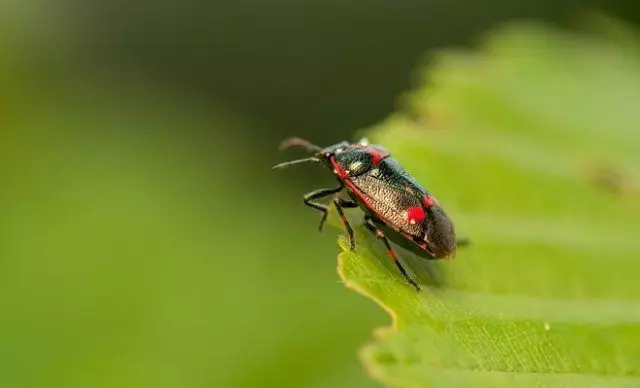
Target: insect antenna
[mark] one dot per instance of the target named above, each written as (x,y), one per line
(298,142)
(299,161)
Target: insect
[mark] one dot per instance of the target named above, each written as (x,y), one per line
(396,207)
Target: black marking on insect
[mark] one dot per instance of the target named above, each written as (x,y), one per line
(396,206)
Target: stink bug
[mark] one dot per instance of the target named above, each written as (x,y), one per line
(395,205)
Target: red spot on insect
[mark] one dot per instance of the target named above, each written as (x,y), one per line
(429,201)
(376,155)
(415,214)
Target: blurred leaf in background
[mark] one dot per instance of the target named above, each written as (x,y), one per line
(145,243)
(132,255)
(532,145)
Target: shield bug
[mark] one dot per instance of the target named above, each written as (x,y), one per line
(396,207)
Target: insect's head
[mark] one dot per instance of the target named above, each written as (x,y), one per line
(320,154)
(344,159)
(326,154)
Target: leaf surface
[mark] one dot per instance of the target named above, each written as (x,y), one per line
(532,145)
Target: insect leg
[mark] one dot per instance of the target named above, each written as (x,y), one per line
(391,252)
(310,197)
(342,203)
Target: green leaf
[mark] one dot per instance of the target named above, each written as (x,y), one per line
(532,145)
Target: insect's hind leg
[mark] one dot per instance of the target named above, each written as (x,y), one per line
(317,194)
(379,234)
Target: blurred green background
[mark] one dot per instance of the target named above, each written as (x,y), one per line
(145,240)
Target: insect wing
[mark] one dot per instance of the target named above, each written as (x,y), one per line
(390,192)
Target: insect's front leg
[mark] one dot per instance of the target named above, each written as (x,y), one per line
(343,203)
(317,194)
(374,229)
